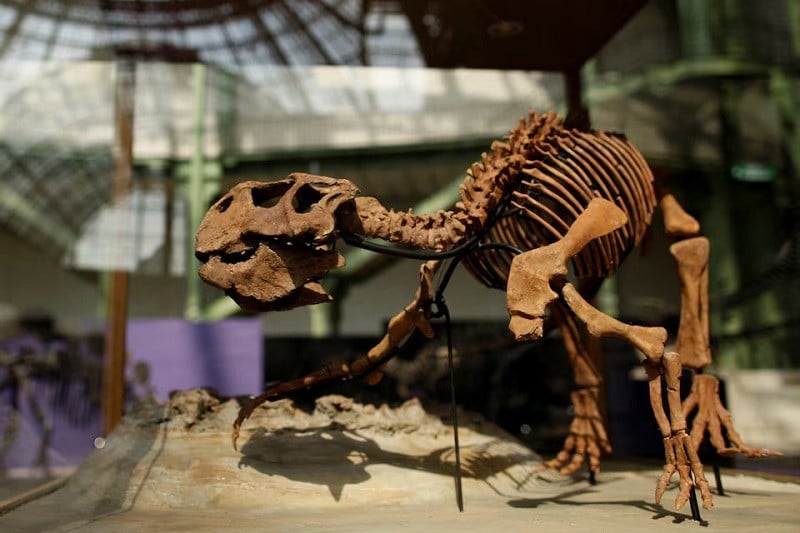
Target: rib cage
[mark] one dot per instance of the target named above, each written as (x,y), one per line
(563,171)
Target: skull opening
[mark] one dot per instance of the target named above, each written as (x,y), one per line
(267,244)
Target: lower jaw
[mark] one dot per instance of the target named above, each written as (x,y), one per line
(309,294)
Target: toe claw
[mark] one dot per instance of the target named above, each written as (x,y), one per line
(663,481)
(681,457)
(685,489)
(587,439)
(759,452)
(681,500)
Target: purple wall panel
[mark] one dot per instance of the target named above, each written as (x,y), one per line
(179,355)
(227,355)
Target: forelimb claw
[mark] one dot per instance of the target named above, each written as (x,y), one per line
(415,316)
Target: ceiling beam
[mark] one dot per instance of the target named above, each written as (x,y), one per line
(301,27)
(13,28)
(268,39)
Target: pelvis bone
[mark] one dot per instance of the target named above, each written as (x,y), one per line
(266,244)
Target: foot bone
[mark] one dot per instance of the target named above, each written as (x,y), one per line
(711,417)
(681,457)
(587,436)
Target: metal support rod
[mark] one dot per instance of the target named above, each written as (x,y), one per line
(693,504)
(115,341)
(453,405)
(718,480)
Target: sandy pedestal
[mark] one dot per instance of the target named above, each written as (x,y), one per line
(353,467)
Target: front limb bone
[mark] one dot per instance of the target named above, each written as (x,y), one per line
(691,261)
(414,316)
(528,290)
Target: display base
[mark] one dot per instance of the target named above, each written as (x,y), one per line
(351,467)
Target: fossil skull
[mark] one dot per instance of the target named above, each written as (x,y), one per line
(266,244)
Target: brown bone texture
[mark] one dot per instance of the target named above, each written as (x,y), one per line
(712,418)
(278,277)
(564,170)
(677,222)
(266,244)
(691,261)
(552,174)
(301,207)
(528,291)
(572,199)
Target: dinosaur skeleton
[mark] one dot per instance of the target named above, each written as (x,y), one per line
(543,198)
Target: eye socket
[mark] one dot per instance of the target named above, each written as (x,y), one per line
(270,195)
(306,198)
(224,204)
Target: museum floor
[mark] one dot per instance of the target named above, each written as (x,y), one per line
(621,501)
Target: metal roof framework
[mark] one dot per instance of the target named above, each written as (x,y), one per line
(325,76)
(269,88)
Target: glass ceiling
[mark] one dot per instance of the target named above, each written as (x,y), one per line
(232,33)
(283,76)
(56,100)
(56,134)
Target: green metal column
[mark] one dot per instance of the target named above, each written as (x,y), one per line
(793,9)
(195,195)
(784,93)
(724,275)
(695,39)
